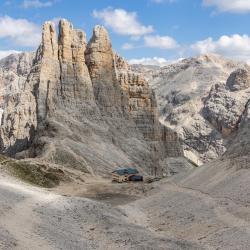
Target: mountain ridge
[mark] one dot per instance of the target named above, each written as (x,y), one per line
(195,101)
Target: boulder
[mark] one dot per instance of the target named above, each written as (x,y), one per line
(239,80)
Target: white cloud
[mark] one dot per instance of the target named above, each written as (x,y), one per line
(204,46)
(20,31)
(156,61)
(122,22)
(36,4)
(233,6)
(127,46)
(234,46)
(4,53)
(162,42)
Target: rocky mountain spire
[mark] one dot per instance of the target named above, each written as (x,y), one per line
(49,41)
(83,107)
(64,76)
(101,65)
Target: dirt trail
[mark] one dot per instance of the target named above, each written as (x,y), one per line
(20,220)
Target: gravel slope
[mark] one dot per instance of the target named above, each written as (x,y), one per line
(207,208)
(38,219)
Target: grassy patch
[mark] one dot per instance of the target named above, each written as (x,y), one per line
(33,173)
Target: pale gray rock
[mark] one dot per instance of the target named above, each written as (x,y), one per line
(239,80)
(239,148)
(18,117)
(223,109)
(195,101)
(82,107)
(101,65)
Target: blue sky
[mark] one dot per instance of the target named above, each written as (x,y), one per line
(147,31)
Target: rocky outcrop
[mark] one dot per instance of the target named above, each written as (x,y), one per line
(141,101)
(239,80)
(246,114)
(101,65)
(197,98)
(82,107)
(223,109)
(142,107)
(18,118)
(63,78)
(239,146)
(75,78)
(14,70)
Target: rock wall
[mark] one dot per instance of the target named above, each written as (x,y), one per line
(238,80)
(17,103)
(239,146)
(202,99)
(142,108)
(223,108)
(64,80)
(82,107)
(101,65)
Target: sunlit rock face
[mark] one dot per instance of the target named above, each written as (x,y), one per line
(239,80)
(80,105)
(17,116)
(239,144)
(202,99)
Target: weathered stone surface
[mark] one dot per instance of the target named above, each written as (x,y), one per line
(17,116)
(120,63)
(64,78)
(223,109)
(195,101)
(84,108)
(14,70)
(140,100)
(101,65)
(239,146)
(142,108)
(239,80)
(46,71)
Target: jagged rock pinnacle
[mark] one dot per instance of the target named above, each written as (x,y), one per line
(81,105)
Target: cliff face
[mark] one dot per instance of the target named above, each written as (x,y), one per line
(203,100)
(17,117)
(238,151)
(101,65)
(81,106)
(64,80)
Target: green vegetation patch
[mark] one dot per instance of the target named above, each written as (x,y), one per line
(33,173)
